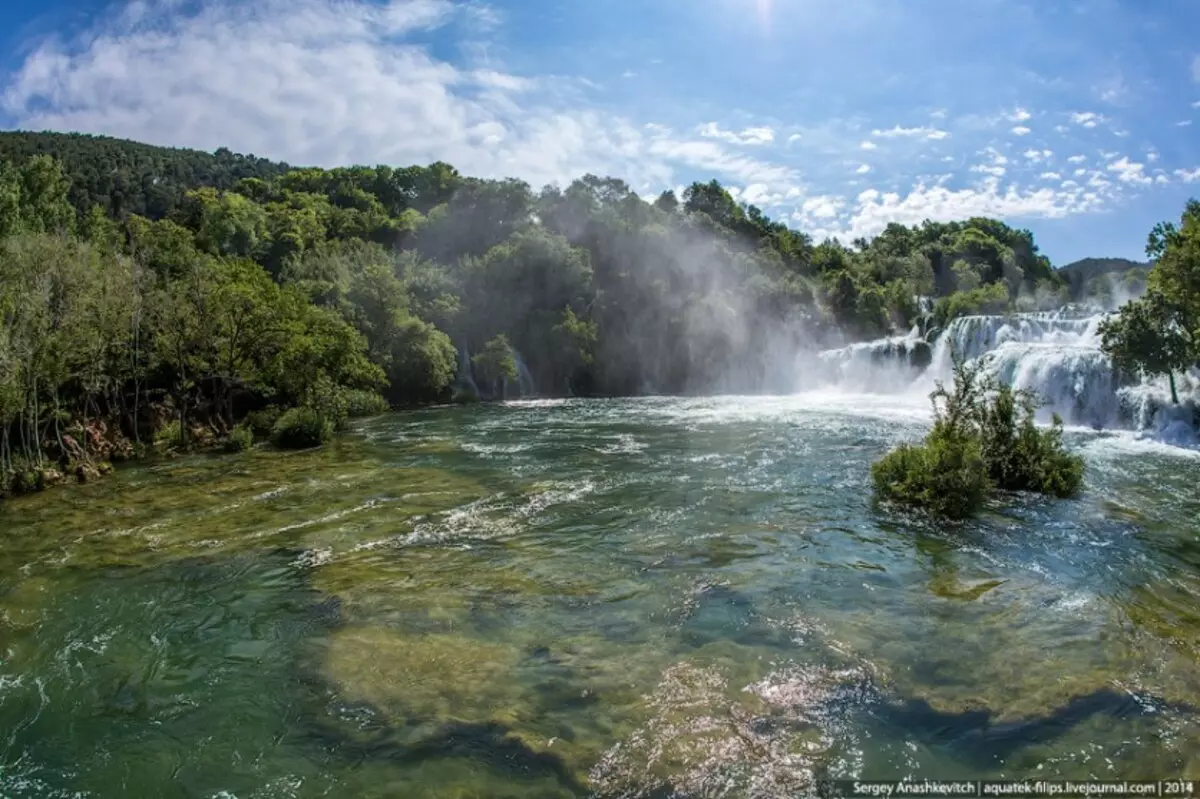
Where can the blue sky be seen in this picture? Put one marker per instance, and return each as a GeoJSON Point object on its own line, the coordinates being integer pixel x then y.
{"type": "Point", "coordinates": [1078, 119]}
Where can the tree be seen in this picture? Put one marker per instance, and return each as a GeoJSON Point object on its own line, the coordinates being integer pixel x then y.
{"type": "Point", "coordinates": [1160, 333]}
{"type": "Point", "coordinates": [496, 364]}
{"type": "Point", "coordinates": [1150, 337]}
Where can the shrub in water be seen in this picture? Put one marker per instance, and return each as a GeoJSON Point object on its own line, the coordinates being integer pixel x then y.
{"type": "Point", "coordinates": [364, 403]}
{"type": "Point", "coordinates": [983, 437]}
{"type": "Point", "coordinates": [946, 474]}
{"type": "Point", "coordinates": [262, 422]}
{"type": "Point", "coordinates": [1020, 457]}
{"type": "Point", "coordinates": [241, 438]}
{"type": "Point", "coordinates": [301, 428]}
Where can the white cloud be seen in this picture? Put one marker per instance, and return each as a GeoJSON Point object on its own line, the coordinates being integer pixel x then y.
{"type": "Point", "coordinates": [938, 114]}
{"type": "Point", "coordinates": [1196, 104]}
{"type": "Point", "coordinates": [1020, 115]}
{"type": "Point", "coordinates": [863, 169]}
{"type": "Point", "coordinates": [1188, 175]}
{"type": "Point", "coordinates": [1129, 171]}
{"type": "Point", "coordinates": [795, 137]}
{"type": "Point", "coordinates": [1077, 159]}
{"type": "Point", "coordinates": [1183, 123]}
{"type": "Point", "coordinates": [868, 145]}
{"type": "Point", "coordinates": [749, 136]}
{"type": "Point", "coordinates": [336, 82]}
{"type": "Point", "coordinates": [1021, 130]}
{"type": "Point", "coordinates": [1080, 172]}
{"type": "Point", "coordinates": [1037, 155]}
{"type": "Point", "coordinates": [822, 207]}
{"type": "Point", "coordinates": [986, 169]}
{"type": "Point", "coordinates": [899, 132]}
{"type": "Point", "coordinates": [1087, 119]}
{"type": "Point", "coordinates": [874, 210]}
{"type": "Point", "coordinates": [1050, 176]}
{"type": "Point", "coordinates": [1152, 156]}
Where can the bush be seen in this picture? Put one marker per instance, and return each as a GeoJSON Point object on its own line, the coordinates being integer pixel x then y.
{"type": "Point", "coordinates": [979, 442]}
{"type": "Point", "coordinates": [241, 438]}
{"type": "Point", "coordinates": [301, 428]}
{"type": "Point", "coordinates": [169, 438]}
{"type": "Point", "coordinates": [365, 403]}
{"type": "Point", "coordinates": [262, 422]}
{"type": "Point", "coordinates": [946, 474]}
{"type": "Point", "coordinates": [1020, 457]}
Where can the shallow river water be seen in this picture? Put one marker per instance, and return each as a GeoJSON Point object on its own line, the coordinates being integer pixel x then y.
{"type": "Point", "coordinates": [658, 597]}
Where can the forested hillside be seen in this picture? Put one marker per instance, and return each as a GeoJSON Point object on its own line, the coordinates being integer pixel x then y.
{"type": "Point", "coordinates": [125, 177]}
{"type": "Point", "coordinates": [1100, 278]}
{"type": "Point", "coordinates": [209, 285]}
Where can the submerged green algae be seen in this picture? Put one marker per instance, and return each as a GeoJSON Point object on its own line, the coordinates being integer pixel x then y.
{"type": "Point", "coordinates": [587, 597]}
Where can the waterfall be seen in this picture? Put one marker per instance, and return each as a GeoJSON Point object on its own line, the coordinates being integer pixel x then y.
{"type": "Point", "coordinates": [525, 381]}
{"type": "Point", "coordinates": [465, 378]}
{"type": "Point", "coordinates": [1055, 354]}
{"type": "Point", "coordinates": [882, 365]}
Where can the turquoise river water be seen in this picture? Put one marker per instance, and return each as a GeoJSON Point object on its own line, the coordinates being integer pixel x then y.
{"type": "Point", "coordinates": [628, 598]}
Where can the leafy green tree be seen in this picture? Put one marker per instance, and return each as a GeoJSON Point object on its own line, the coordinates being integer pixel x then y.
{"type": "Point", "coordinates": [1160, 333]}
{"type": "Point", "coordinates": [495, 364]}
{"type": "Point", "coordinates": [1150, 337]}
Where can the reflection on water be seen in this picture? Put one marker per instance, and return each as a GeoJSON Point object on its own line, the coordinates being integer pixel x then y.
{"type": "Point", "coordinates": [614, 598]}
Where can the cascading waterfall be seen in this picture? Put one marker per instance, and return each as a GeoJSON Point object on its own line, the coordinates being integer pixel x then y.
{"type": "Point", "coordinates": [876, 366]}
{"type": "Point", "coordinates": [465, 378]}
{"type": "Point", "coordinates": [1055, 354]}
{"type": "Point", "coordinates": [525, 381]}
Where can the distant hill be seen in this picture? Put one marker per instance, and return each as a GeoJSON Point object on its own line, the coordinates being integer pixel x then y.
{"type": "Point", "coordinates": [127, 177]}
{"type": "Point", "coordinates": [1081, 274]}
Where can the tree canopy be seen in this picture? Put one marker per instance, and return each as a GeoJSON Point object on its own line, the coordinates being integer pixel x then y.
{"type": "Point", "coordinates": [217, 283]}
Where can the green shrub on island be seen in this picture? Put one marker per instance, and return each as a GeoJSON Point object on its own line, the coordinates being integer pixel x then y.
{"type": "Point", "coordinates": [360, 404]}
{"type": "Point", "coordinates": [240, 439]}
{"type": "Point", "coordinates": [946, 474]}
{"type": "Point", "coordinates": [262, 422]}
{"type": "Point", "coordinates": [984, 438]}
{"type": "Point", "coordinates": [1019, 455]}
{"type": "Point", "coordinates": [302, 428]}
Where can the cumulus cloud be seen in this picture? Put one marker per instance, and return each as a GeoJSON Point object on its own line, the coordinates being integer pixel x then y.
{"type": "Point", "coordinates": [1077, 159]}
{"type": "Point", "coordinates": [1129, 171]}
{"type": "Point", "coordinates": [910, 133]}
{"type": "Point", "coordinates": [873, 210]}
{"type": "Point", "coordinates": [1021, 130]}
{"type": "Point", "coordinates": [1050, 176]}
{"type": "Point", "coordinates": [1183, 123]}
{"type": "Point", "coordinates": [749, 136]}
{"type": "Point", "coordinates": [335, 82]}
{"type": "Point", "coordinates": [1188, 175]}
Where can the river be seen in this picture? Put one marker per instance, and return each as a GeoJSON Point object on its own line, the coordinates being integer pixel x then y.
{"type": "Point", "coordinates": [587, 597]}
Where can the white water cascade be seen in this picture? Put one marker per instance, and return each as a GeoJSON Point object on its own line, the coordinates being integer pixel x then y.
{"type": "Point", "coordinates": [1055, 354]}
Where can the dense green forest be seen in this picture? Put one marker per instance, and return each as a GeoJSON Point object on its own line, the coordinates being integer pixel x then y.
{"type": "Point", "coordinates": [145, 289]}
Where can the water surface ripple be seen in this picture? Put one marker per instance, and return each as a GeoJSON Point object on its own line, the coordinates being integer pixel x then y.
{"type": "Point", "coordinates": [656, 597]}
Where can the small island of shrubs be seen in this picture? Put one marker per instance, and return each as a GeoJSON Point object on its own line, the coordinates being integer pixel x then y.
{"type": "Point", "coordinates": [983, 439]}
